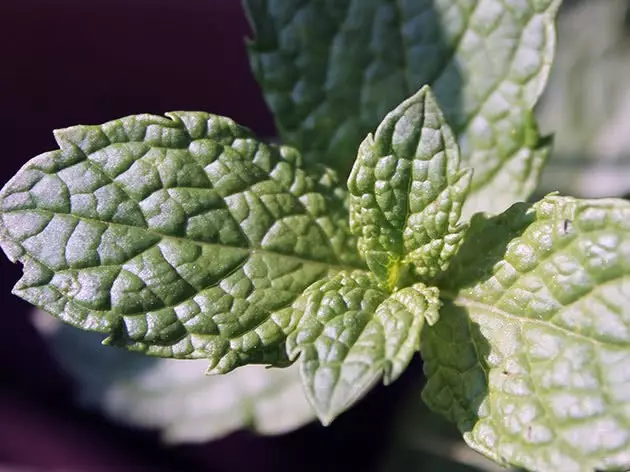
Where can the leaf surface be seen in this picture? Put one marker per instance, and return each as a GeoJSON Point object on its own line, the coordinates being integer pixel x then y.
{"type": "Point", "coordinates": [352, 333]}
{"type": "Point", "coordinates": [531, 356]}
{"type": "Point", "coordinates": [178, 237]}
{"type": "Point", "coordinates": [407, 192]}
{"type": "Point", "coordinates": [331, 70]}
{"type": "Point", "coordinates": [173, 395]}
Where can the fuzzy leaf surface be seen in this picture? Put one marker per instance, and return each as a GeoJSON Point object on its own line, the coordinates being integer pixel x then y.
{"type": "Point", "coordinates": [407, 192]}
{"type": "Point", "coordinates": [331, 70]}
{"type": "Point", "coordinates": [352, 333]}
{"type": "Point", "coordinates": [179, 237]}
{"type": "Point", "coordinates": [531, 356]}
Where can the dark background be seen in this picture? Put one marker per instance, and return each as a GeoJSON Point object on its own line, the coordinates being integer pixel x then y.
{"type": "Point", "coordinates": [67, 62]}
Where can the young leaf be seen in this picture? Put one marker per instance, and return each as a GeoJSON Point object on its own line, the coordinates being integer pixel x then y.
{"type": "Point", "coordinates": [531, 354]}
{"type": "Point", "coordinates": [330, 71]}
{"type": "Point", "coordinates": [352, 333]}
{"type": "Point", "coordinates": [407, 192]}
{"type": "Point", "coordinates": [173, 395]}
{"type": "Point", "coordinates": [178, 237]}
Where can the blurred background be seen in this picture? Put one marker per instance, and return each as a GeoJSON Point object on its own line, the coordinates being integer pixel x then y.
{"type": "Point", "coordinates": [71, 61]}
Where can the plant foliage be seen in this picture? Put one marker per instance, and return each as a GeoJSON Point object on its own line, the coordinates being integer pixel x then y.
{"type": "Point", "coordinates": [185, 236]}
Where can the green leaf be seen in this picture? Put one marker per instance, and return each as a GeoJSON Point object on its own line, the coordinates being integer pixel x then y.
{"type": "Point", "coordinates": [531, 354]}
{"type": "Point", "coordinates": [407, 192]}
{"type": "Point", "coordinates": [180, 237]}
{"type": "Point", "coordinates": [352, 333]}
{"type": "Point", "coordinates": [331, 70]}
{"type": "Point", "coordinates": [173, 395]}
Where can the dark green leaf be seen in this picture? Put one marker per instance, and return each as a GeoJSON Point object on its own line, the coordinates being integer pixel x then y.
{"type": "Point", "coordinates": [331, 69]}
{"type": "Point", "coordinates": [180, 237]}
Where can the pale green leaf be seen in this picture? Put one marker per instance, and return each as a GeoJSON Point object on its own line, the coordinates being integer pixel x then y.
{"type": "Point", "coordinates": [331, 70]}
{"type": "Point", "coordinates": [423, 441]}
{"type": "Point", "coordinates": [407, 192]}
{"type": "Point", "coordinates": [173, 395]}
{"type": "Point", "coordinates": [178, 237]}
{"type": "Point", "coordinates": [352, 333]}
{"type": "Point", "coordinates": [531, 356]}
{"type": "Point", "coordinates": [587, 101]}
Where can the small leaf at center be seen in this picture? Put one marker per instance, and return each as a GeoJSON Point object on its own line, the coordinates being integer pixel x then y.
{"type": "Point", "coordinates": [352, 333]}
{"type": "Point", "coordinates": [407, 192]}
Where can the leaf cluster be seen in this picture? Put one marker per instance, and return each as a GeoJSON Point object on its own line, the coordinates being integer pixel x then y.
{"type": "Point", "coordinates": [187, 237]}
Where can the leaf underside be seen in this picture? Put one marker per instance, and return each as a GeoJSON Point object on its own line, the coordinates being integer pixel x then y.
{"type": "Point", "coordinates": [531, 357]}
{"type": "Point", "coordinates": [173, 395]}
{"type": "Point", "coordinates": [330, 71]}
{"type": "Point", "coordinates": [178, 237]}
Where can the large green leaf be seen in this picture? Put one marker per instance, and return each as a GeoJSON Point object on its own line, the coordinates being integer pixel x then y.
{"type": "Point", "coordinates": [407, 192]}
{"type": "Point", "coordinates": [531, 356]}
{"type": "Point", "coordinates": [173, 395]}
{"type": "Point", "coordinates": [178, 237]}
{"type": "Point", "coordinates": [331, 70]}
{"type": "Point", "coordinates": [352, 333]}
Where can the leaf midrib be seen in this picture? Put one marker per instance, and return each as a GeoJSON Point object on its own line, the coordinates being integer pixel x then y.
{"type": "Point", "coordinates": [467, 302]}
{"type": "Point", "coordinates": [251, 250]}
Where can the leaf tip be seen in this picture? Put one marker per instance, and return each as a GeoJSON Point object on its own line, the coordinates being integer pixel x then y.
{"type": "Point", "coordinates": [389, 375]}
{"type": "Point", "coordinates": [325, 418]}
{"type": "Point", "coordinates": [108, 341]}
{"type": "Point", "coordinates": [465, 176]}
{"type": "Point", "coordinates": [174, 116]}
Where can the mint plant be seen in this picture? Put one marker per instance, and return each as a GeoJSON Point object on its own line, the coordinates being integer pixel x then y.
{"type": "Point", "coordinates": [187, 237]}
